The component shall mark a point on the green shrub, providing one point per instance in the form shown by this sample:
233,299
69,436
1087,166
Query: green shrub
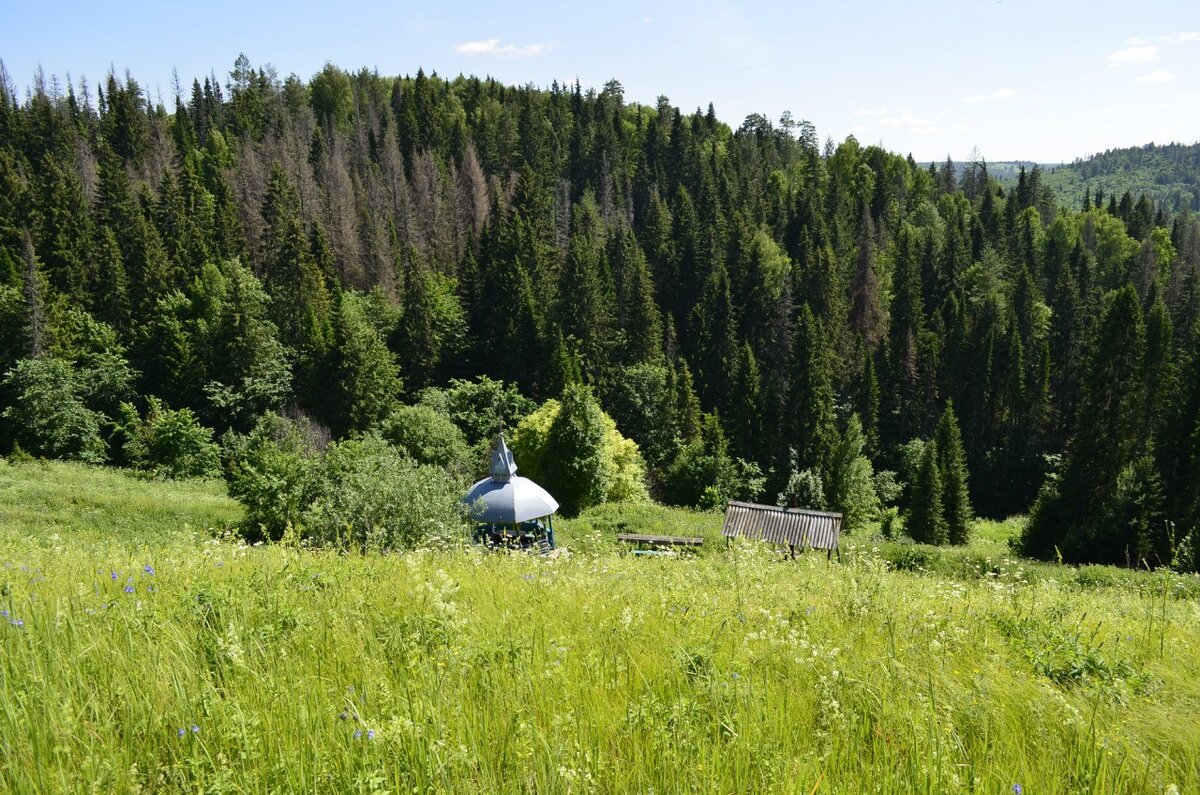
575,451
427,436
704,475
171,443
48,417
371,497
272,472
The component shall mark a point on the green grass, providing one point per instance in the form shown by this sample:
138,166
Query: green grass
727,671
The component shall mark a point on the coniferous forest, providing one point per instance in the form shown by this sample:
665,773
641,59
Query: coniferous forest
768,316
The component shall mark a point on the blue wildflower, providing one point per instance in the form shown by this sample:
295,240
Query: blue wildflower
182,732
195,729
358,734
148,569
3,614
1016,788
114,576
370,734
129,588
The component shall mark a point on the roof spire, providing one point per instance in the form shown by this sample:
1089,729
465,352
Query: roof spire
504,467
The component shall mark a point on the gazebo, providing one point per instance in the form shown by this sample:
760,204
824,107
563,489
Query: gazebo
509,510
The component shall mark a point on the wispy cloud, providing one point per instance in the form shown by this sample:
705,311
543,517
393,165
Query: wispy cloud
1136,41
493,48
1180,37
1157,76
917,124
1002,94
1136,54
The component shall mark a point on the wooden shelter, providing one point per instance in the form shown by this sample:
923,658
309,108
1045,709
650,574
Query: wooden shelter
795,528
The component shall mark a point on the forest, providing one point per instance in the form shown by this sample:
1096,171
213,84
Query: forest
361,264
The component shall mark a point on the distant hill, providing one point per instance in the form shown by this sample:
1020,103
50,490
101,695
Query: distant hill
1169,175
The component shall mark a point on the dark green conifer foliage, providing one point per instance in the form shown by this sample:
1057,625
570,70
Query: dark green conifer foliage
574,443
925,521
952,473
811,421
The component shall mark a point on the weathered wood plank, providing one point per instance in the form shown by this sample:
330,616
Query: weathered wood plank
679,541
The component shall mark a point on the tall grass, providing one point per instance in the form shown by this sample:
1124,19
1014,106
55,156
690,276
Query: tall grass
163,660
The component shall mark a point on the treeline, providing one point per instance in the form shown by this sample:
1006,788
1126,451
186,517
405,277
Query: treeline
757,311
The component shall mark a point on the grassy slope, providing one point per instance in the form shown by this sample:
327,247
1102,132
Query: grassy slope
729,671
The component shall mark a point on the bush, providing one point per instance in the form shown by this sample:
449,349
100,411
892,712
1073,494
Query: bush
477,407
171,443
369,496
574,450
272,472
427,436
704,475
47,416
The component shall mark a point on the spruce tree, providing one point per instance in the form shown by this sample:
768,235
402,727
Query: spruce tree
811,424
952,472
925,522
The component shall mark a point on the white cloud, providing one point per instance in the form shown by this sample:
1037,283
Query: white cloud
494,48
917,124
1157,76
1139,54
1189,36
1002,94
1136,41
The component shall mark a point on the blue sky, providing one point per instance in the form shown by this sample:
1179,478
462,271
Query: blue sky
1044,81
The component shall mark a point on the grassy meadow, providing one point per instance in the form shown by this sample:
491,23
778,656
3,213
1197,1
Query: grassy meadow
143,649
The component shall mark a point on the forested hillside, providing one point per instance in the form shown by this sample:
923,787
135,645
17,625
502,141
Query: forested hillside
762,314
1169,175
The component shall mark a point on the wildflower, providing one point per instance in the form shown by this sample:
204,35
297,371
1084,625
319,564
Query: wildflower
148,569
370,734
114,576
358,734
129,588
182,732
195,729
1016,788
3,614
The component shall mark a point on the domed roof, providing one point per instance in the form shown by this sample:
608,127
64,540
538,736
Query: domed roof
506,497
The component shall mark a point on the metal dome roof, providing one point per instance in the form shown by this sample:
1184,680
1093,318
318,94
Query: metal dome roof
505,497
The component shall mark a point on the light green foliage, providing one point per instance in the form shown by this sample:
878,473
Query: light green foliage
804,489
478,407
368,375
171,443
48,416
427,436
574,450
852,485
369,496
470,672
271,471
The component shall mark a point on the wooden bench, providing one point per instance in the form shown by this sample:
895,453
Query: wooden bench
660,541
